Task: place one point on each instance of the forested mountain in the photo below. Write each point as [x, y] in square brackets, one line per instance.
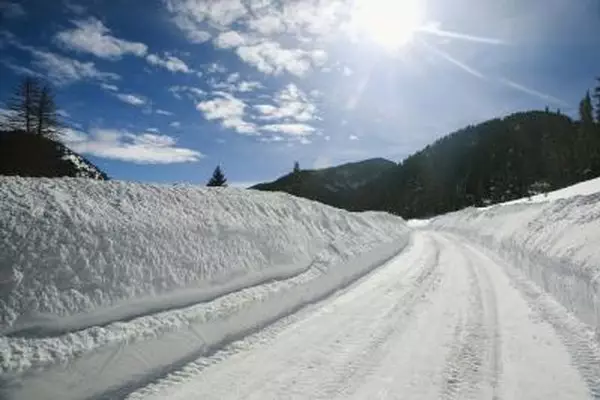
[333, 186]
[30, 154]
[496, 161]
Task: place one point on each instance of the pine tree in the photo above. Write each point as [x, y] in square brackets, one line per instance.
[586, 110]
[597, 98]
[46, 116]
[296, 167]
[217, 179]
[23, 104]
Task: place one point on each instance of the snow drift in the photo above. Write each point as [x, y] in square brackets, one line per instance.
[72, 247]
[554, 243]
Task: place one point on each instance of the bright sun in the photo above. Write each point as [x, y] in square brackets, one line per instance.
[391, 24]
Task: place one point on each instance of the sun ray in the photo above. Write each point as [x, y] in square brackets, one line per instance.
[436, 31]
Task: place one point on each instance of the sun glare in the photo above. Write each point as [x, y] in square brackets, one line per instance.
[390, 24]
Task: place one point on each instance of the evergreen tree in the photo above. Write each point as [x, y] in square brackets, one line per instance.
[46, 116]
[296, 167]
[23, 105]
[217, 179]
[597, 98]
[586, 110]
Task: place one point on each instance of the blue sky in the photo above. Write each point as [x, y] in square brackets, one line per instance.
[164, 90]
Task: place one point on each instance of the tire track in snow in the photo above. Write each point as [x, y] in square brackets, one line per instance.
[578, 338]
[475, 357]
[406, 307]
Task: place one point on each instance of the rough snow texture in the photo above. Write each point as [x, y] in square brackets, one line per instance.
[556, 244]
[71, 246]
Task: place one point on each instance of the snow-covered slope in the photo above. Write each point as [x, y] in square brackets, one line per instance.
[580, 189]
[114, 250]
[555, 243]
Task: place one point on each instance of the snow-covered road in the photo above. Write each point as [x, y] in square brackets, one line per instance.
[443, 320]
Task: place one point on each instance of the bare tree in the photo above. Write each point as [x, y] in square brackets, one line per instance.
[46, 116]
[32, 109]
[22, 105]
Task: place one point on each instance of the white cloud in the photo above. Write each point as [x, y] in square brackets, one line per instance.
[347, 71]
[163, 112]
[91, 36]
[145, 148]
[194, 17]
[229, 39]
[153, 130]
[58, 69]
[63, 113]
[291, 104]
[134, 100]
[270, 58]
[109, 87]
[193, 93]
[74, 8]
[267, 24]
[289, 129]
[21, 70]
[8, 9]
[353, 137]
[63, 70]
[175, 124]
[169, 62]
[327, 138]
[4, 115]
[248, 86]
[229, 110]
[216, 68]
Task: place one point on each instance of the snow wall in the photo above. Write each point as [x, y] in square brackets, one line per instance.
[70, 246]
[556, 244]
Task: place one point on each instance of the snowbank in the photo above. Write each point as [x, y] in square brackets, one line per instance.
[100, 251]
[556, 244]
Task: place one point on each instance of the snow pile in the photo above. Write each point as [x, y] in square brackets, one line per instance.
[556, 244]
[580, 189]
[113, 250]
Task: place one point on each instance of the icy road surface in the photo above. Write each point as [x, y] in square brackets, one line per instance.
[443, 320]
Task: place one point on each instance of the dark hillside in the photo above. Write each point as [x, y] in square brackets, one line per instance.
[333, 186]
[28, 154]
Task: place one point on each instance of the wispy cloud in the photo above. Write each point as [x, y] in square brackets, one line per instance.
[91, 36]
[134, 100]
[63, 70]
[191, 92]
[145, 148]
[59, 69]
[109, 87]
[163, 112]
[289, 129]
[169, 62]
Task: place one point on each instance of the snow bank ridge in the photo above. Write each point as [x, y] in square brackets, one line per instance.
[103, 249]
[555, 244]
